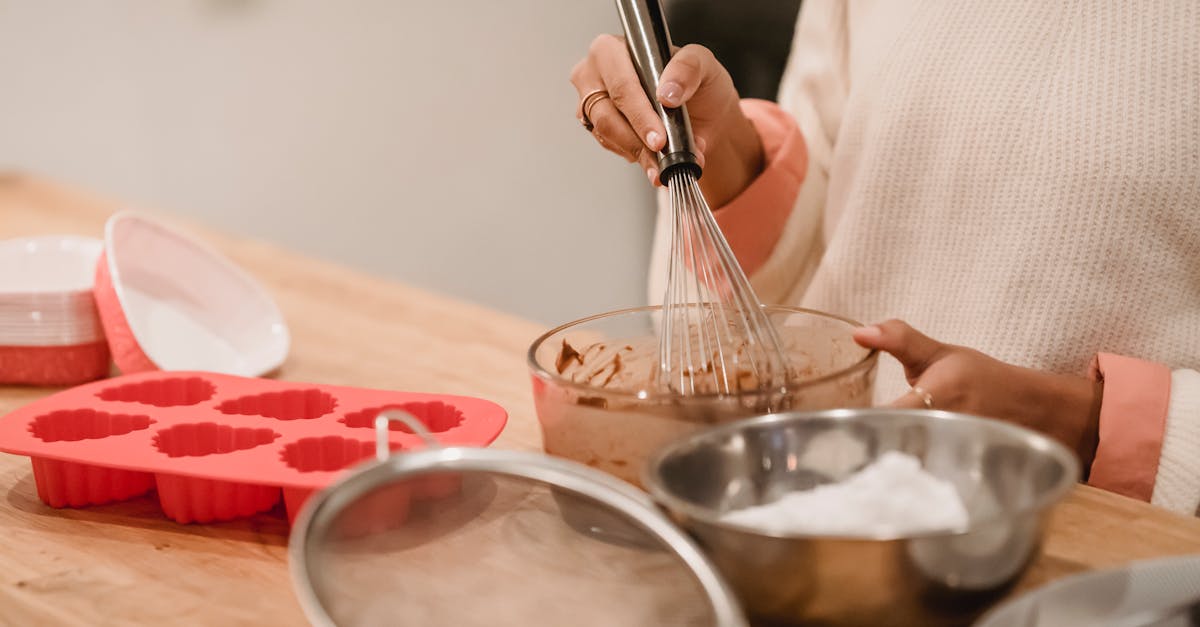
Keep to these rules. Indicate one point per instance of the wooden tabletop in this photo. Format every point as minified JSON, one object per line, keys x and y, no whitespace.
{"x":126,"y":564}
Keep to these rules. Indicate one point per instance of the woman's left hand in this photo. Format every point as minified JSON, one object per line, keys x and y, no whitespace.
{"x":956,"y":378}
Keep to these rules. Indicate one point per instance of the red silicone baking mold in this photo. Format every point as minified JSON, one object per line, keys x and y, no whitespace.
{"x":219,"y":447}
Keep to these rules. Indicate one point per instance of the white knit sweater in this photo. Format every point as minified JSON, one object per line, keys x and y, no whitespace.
{"x":1021,"y":177}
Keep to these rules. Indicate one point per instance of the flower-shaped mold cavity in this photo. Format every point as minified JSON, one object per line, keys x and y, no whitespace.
{"x":326,"y":453}
{"x":71,"y":425}
{"x":437,"y":416}
{"x":174,"y":392}
{"x":209,"y":438}
{"x":285,"y":405}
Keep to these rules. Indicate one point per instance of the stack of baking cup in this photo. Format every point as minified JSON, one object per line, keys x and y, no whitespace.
{"x":50,"y":331}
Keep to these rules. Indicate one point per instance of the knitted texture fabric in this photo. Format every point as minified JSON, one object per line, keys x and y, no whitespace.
{"x":1019,"y":177}
{"x":1177,"y":485}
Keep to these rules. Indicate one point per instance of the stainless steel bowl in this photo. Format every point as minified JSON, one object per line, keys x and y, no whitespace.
{"x":1007,"y":476}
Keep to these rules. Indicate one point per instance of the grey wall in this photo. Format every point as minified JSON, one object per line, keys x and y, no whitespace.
{"x":433,"y":142}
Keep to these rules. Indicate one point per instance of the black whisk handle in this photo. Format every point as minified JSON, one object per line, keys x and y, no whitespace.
{"x":649,"y":45}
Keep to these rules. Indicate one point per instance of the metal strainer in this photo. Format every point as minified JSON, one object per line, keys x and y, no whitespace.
{"x":1162,"y":592}
{"x":474,"y":536}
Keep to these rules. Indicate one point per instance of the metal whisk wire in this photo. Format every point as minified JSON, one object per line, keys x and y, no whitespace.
{"x":715,"y":337}
{"x":714,"y":332}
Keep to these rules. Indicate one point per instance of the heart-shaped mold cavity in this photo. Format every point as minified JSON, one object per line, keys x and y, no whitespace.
{"x":71,"y":425}
{"x":437,"y":416}
{"x":326,"y":453}
{"x":173,"y":392}
{"x":209,"y":438}
{"x":285,"y":405}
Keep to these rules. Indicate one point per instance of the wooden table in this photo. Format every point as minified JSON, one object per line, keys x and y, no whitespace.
{"x":126,"y":564}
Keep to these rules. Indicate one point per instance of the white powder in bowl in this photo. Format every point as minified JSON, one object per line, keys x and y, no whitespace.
{"x":892,"y":496}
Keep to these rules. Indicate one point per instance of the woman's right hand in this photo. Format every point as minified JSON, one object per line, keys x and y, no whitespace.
{"x":625,"y":123}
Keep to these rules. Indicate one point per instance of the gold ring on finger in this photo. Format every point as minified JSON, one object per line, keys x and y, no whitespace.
{"x":585,"y":107}
{"x":924,"y":395}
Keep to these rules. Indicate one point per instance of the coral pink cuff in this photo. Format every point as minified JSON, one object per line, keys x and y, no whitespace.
{"x":753,"y":221}
{"x":1133,"y":416}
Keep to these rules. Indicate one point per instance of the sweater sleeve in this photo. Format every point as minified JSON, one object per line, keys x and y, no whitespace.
{"x":1149,"y":445}
{"x":1177,"y":483}
{"x":1133,"y":411}
{"x":753,"y":221}
{"x":785,"y":248}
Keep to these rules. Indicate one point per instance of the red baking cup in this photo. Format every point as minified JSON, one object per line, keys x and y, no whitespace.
{"x":219,"y":447}
{"x":50,"y":332}
{"x":54,"y":365}
{"x":126,"y":352}
{"x":169,"y":302}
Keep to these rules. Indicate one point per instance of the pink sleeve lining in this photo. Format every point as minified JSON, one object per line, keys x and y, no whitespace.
{"x":753,"y":221}
{"x":1133,"y":417}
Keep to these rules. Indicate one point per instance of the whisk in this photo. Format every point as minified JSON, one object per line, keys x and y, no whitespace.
{"x":715,"y":337}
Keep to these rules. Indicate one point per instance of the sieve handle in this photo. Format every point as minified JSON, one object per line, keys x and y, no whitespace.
{"x":382,"y":421}
{"x":649,"y":46}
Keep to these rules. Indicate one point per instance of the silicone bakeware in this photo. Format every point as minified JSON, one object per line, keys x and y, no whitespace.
{"x":170,"y":302}
{"x":218,"y":447}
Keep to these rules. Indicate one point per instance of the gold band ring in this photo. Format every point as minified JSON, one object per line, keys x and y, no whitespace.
{"x":925,"y":396}
{"x":585,"y":107}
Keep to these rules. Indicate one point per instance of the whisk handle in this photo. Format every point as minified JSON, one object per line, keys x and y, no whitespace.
{"x":649,"y":45}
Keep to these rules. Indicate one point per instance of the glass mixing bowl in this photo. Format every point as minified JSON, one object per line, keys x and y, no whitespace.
{"x":616,"y":427}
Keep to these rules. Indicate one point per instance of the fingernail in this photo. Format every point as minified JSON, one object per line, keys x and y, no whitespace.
{"x":652,"y":174}
{"x":652,"y":139}
{"x":701,"y":144}
{"x":670,"y":93}
{"x":871,"y":332}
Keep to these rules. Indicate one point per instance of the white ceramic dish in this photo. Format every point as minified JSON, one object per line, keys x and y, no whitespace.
{"x":52,"y":266}
{"x":46,"y":291}
{"x":169,"y":302}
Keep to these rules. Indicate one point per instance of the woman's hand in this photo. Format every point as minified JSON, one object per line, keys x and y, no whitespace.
{"x":957,"y":378}
{"x":626,"y":123}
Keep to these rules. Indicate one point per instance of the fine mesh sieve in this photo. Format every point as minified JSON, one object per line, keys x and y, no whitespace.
{"x":1149,"y":593}
{"x":472,"y":536}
